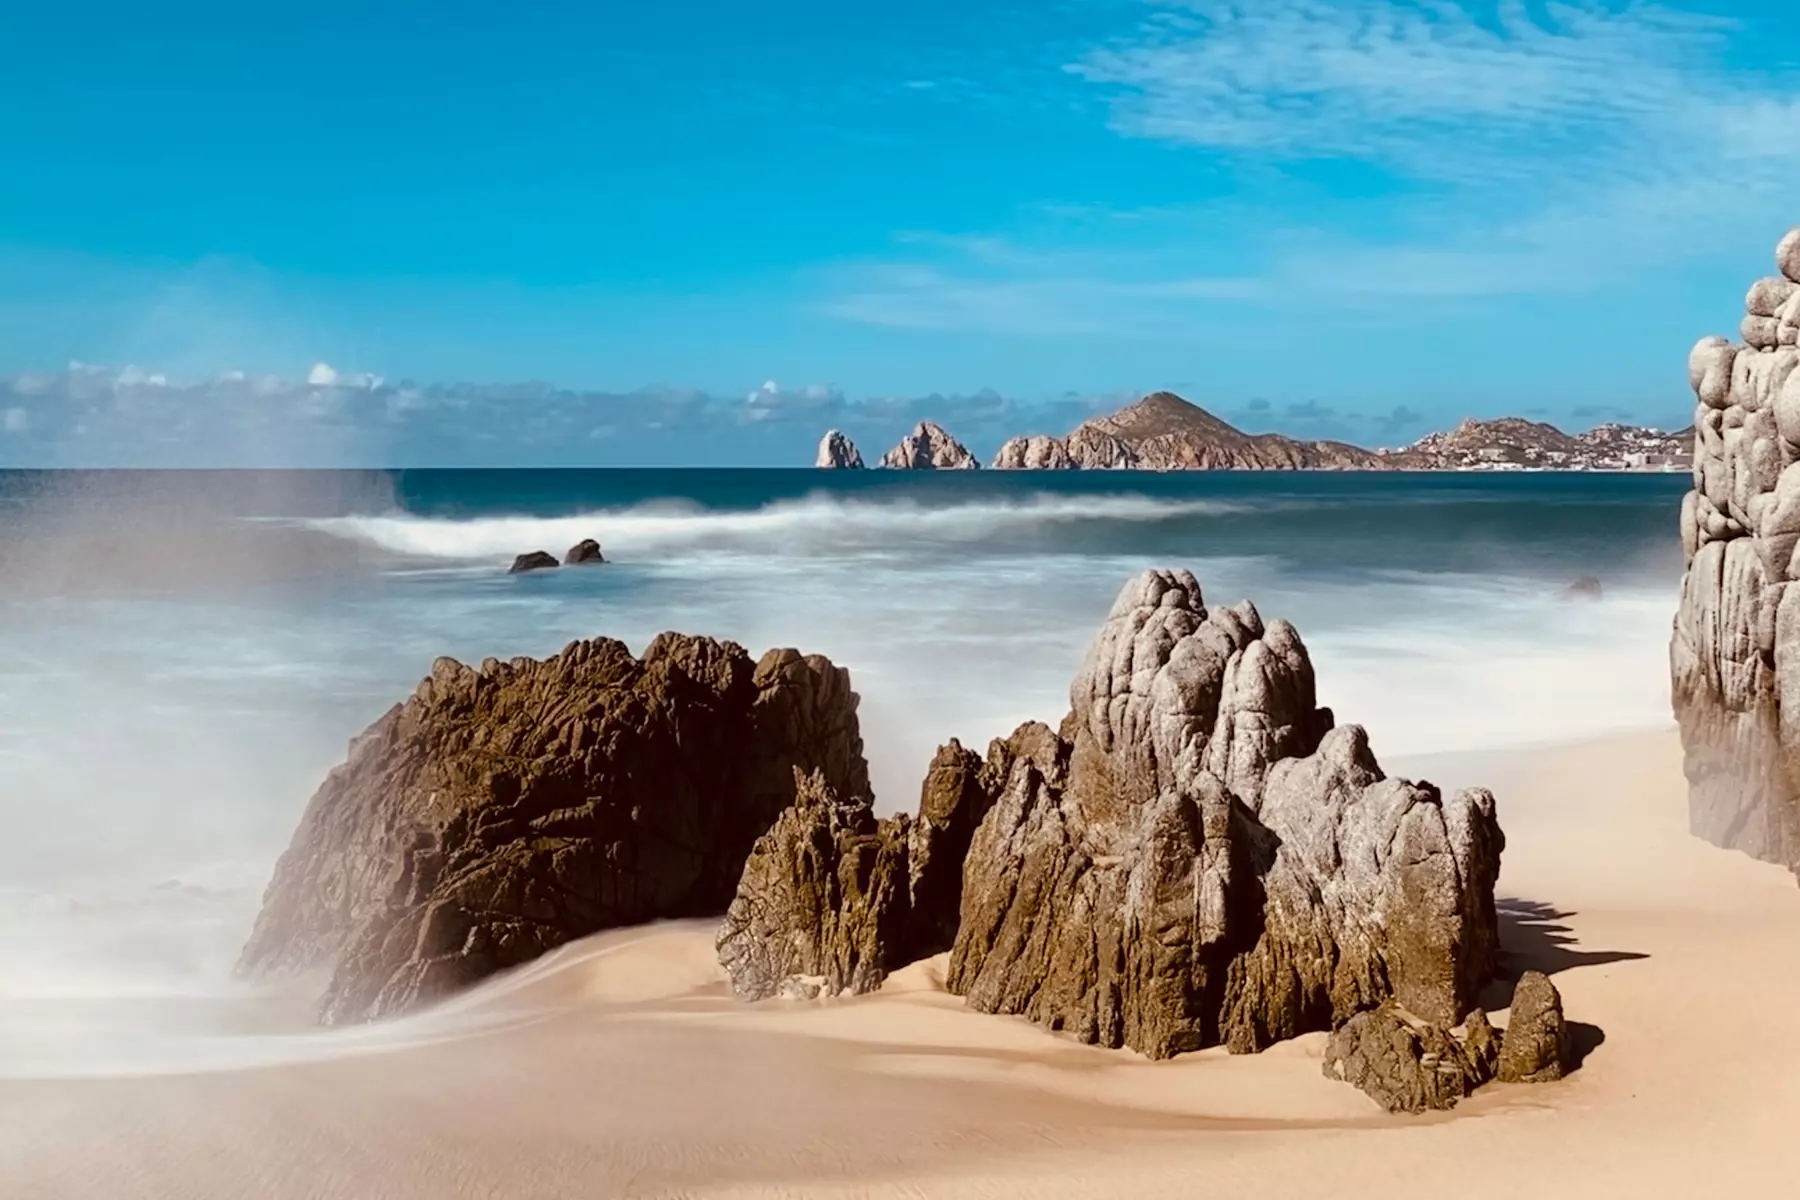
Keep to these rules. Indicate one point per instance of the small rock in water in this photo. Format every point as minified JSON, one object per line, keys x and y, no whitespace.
{"x":537,"y":560}
{"x":587,"y":550}
{"x":1535,"y":1047}
{"x":1585,"y":588}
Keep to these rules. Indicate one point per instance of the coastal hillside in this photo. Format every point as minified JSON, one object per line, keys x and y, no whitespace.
{"x":1164,"y":432}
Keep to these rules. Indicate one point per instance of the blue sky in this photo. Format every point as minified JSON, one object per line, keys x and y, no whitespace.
{"x":1337,"y":219}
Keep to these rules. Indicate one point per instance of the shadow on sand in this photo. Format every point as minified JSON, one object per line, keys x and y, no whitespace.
{"x":1536,"y":937}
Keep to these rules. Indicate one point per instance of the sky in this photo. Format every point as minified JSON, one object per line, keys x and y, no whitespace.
{"x":703,"y":231}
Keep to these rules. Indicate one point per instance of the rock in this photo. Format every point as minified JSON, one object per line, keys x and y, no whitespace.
{"x":537,"y":560}
{"x":1787,"y":255}
{"x":1407,"y":1065}
{"x":832,"y":899}
{"x":1535,"y":1046}
{"x":1035,"y":453}
{"x":1163,"y":432}
{"x":1734,"y":667}
{"x":1585,"y":587}
{"x":822,"y":903}
{"x":1198,"y":857}
{"x":501,"y":812}
{"x":1481,"y":1046}
{"x":929,"y":448}
{"x":836,"y":450}
{"x":587,"y":550}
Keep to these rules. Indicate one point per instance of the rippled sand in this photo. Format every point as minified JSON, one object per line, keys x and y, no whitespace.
{"x":621,"y":1067}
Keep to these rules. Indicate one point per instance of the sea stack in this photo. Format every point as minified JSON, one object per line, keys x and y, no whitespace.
{"x":502,"y":811}
{"x":1735,"y":652}
{"x":837,"y":451}
{"x":929,"y":448}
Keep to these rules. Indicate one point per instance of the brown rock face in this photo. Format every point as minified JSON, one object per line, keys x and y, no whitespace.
{"x":832,"y":899}
{"x":1197,"y":857}
{"x":1406,"y":1065}
{"x":586,"y":551}
{"x":1735,"y":653}
{"x":501,"y":812}
{"x":1535,"y":1048}
{"x":537,"y":560}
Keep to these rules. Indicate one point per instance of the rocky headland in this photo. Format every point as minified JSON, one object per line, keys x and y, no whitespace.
{"x":1735,"y":652}
{"x":929,"y":448}
{"x":502,"y":811}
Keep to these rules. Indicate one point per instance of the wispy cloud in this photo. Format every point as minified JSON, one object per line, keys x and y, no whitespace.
{"x":1503,"y":151}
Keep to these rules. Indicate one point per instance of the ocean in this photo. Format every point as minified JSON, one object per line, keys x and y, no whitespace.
{"x":183,"y":656}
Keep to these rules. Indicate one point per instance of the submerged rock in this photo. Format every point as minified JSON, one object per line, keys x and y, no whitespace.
{"x":501,"y":812}
{"x":1408,"y":1065}
{"x":1198,"y":857}
{"x":1535,"y":1048}
{"x":929,"y":448}
{"x":537,"y":560}
{"x":836,"y":450}
{"x":1587,"y":587}
{"x":587,"y":550}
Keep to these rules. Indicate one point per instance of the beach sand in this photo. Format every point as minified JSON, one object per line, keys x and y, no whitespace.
{"x":621,"y":1067}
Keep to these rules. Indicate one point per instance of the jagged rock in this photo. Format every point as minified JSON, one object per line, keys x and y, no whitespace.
{"x":537,"y":560}
{"x":1407,"y":1065}
{"x":1035,"y":453}
{"x":1481,"y":1046}
{"x":1197,"y":857}
{"x":1535,"y":1047}
{"x":587,"y":550}
{"x":929,"y":448}
{"x":836,"y":450}
{"x":822,"y":904}
{"x":1734,"y":661}
{"x":1585,"y":587}
{"x":831,"y":899}
{"x":501,"y":812}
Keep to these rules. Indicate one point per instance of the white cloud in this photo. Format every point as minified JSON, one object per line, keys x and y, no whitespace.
{"x":322,"y":375}
{"x":15,"y":420}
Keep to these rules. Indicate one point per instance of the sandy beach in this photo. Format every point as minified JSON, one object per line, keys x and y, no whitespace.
{"x":620,"y":1067}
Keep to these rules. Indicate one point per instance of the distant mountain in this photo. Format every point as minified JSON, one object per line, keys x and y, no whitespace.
{"x":1163,"y":432}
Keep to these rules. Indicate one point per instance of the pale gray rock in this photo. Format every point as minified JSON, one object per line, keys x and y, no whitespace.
{"x":929,"y":448}
{"x":1761,"y":333}
{"x":837,"y":451}
{"x":1198,"y":858}
{"x":1787,"y":255}
{"x":1709,"y":371}
{"x":1767,"y":296}
{"x":1035,"y":453}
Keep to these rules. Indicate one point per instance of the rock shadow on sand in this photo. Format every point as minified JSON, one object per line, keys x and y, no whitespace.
{"x":1537,"y":937}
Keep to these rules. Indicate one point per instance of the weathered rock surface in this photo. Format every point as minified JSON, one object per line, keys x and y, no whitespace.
{"x":1535,"y":1047}
{"x":1198,"y":857}
{"x":929,"y":448}
{"x":537,"y":560}
{"x":836,"y":450}
{"x":1408,"y":1065}
{"x":1735,"y":651}
{"x":501,"y":812}
{"x":1035,"y":453}
{"x":587,"y":550}
{"x":832,"y":899}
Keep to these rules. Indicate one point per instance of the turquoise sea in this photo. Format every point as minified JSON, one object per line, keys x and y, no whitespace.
{"x":184,"y":655}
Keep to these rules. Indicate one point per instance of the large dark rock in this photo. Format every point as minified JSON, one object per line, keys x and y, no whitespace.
{"x":500,"y":812}
{"x":1408,"y":1065}
{"x":832,"y":899}
{"x":1198,"y":857}
{"x":537,"y":560}
{"x":1535,"y":1047}
{"x":587,"y":550}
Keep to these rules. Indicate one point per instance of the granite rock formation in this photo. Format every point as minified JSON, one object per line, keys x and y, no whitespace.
{"x":587,"y":550}
{"x":537,"y":560}
{"x":837,"y":451}
{"x":1035,"y":453}
{"x":503,"y":811}
{"x":1535,"y":1047}
{"x":1735,"y":651}
{"x":832,"y":899}
{"x":929,"y":448}
{"x":1198,"y":857}
{"x":1407,"y":1065}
